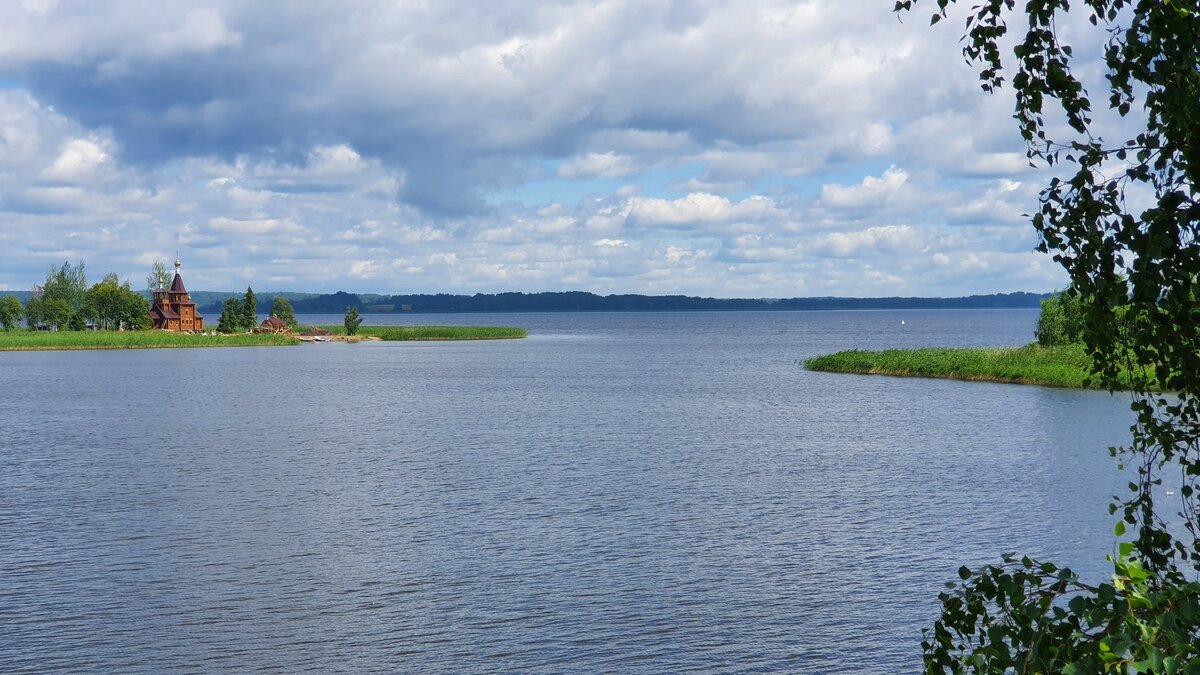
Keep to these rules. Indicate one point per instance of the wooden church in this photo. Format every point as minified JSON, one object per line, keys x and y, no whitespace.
{"x":173,"y":309}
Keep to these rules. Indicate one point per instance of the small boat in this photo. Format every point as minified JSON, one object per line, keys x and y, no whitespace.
{"x":320,"y":338}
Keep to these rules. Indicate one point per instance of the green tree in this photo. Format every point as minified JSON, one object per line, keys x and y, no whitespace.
{"x":136,"y":310}
{"x":33,"y":309}
{"x":249,"y":310}
{"x":282,"y":308}
{"x":1135,"y":267}
{"x":233,"y":316}
{"x":158,"y":277}
{"x":10,"y":312}
{"x":1061,"y":320}
{"x":55,"y":312}
{"x":68,"y":284}
{"x":352,"y":320}
{"x":111,"y":305}
{"x":104,"y":304}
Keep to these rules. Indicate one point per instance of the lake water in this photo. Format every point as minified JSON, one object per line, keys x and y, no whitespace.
{"x":618,"y":492}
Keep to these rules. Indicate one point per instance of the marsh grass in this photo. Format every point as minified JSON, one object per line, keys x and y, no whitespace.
{"x":435,"y":332}
{"x":28,"y":340}
{"x":1063,"y":366}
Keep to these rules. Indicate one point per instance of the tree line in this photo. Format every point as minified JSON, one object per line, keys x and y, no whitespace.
{"x":65,"y":301}
{"x":239,"y":315}
{"x":580,"y":301}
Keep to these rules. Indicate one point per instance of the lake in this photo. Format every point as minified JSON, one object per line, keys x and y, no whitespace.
{"x":624,"y":492}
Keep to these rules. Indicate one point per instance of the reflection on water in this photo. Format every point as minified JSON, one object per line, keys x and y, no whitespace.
{"x":659,"y":492}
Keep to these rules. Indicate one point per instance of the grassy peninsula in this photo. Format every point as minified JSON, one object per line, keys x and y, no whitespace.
{"x":435,"y":332}
{"x":42,"y":340}
{"x":1060,"y":366}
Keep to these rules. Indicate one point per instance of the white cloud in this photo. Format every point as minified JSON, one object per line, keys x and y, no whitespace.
{"x":363,"y":150}
{"x":79,"y":158}
{"x":872,"y":192}
{"x":593,"y":164}
{"x":699,"y":208}
{"x":260,"y":226}
{"x":887,"y":239}
{"x":202,"y":30}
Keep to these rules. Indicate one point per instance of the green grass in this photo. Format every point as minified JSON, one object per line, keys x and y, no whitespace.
{"x":435,"y":332}
{"x":27,"y":340}
{"x":1066,"y":366}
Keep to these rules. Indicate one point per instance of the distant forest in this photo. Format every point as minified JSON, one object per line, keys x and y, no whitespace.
{"x":576,"y":301}
{"x":209,"y":302}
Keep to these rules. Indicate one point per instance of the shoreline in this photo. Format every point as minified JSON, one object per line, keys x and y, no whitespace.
{"x":24,"y":340}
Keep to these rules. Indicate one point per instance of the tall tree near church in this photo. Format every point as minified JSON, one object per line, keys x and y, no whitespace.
{"x":158,"y":277}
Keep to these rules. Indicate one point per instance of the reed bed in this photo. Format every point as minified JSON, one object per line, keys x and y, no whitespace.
{"x":29,"y":340}
{"x":435,"y":332}
{"x":1065,"y":366}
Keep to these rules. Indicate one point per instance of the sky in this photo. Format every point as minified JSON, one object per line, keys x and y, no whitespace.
{"x":727,"y":149}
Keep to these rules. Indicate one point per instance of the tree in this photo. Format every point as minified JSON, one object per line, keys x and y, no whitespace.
{"x":105,"y":305}
{"x":1135,"y":269}
{"x":33,"y":309}
{"x":233,"y":314}
{"x":249,"y":310}
{"x":66,"y":283}
{"x":352,"y":320}
{"x":282,"y":308}
{"x":1061,"y":320}
{"x":158,"y":277}
{"x":10,"y":311}
{"x":135,"y":310}
{"x":111,"y":305}
{"x":55,"y":312}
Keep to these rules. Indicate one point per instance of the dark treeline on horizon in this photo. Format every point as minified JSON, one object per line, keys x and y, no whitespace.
{"x":580,"y":301}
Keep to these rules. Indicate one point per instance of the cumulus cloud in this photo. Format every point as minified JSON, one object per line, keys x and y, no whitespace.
{"x":701,"y":209}
{"x":872,"y":192}
{"x":888,"y":239}
{"x":78,"y":159}
{"x":596,"y":164}
{"x":719,"y":148}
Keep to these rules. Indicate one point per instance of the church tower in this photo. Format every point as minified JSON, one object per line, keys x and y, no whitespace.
{"x":173,"y":308}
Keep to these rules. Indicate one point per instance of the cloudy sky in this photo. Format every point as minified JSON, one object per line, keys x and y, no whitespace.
{"x":731,"y":149}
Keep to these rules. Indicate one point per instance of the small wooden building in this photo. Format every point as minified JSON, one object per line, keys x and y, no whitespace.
{"x":173,"y":309}
{"x":274,"y":324}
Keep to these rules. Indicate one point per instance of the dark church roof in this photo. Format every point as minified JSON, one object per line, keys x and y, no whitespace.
{"x":163,"y":312}
{"x":177,"y":284}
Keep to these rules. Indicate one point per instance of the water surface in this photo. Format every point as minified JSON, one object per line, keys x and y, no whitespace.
{"x":618,"y":492}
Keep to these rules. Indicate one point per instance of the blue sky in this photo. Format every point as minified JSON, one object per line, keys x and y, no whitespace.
{"x":757,"y":148}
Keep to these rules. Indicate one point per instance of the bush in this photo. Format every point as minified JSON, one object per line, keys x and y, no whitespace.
{"x":1061,"y":320}
{"x":352,"y":320}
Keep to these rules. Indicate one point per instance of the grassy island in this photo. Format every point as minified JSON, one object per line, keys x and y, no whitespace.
{"x":1061,"y":366}
{"x":434,"y":332}
{"x":42,"y":340}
